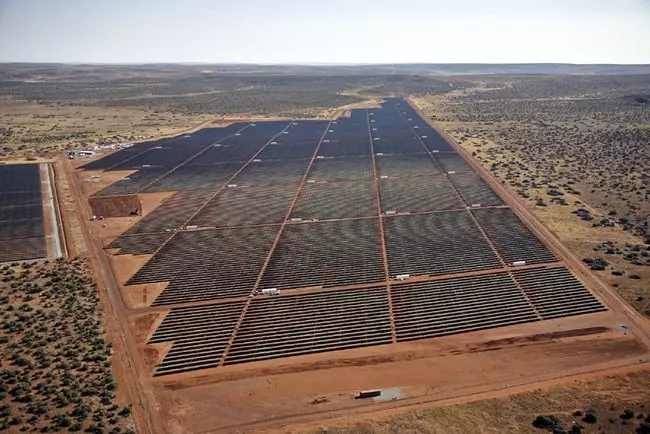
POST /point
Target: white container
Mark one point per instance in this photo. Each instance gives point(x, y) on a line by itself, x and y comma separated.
point(319, 157)
point(518, 263)
point(257, 160)
point(451, 172)
point(311, 181)
point(391, 212)
point(403, 276)
point(476, 205)
point(383, 177)
point(296, 219)
point(191, 227)
point(232, 185)
point(270, 291)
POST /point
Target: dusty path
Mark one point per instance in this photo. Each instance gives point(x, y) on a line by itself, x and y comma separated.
point(127, 365)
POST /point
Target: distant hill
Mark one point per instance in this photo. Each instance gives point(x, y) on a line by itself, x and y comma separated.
point(22, 71)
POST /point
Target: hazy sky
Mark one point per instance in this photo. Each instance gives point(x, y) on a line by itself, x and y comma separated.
point(325, 31)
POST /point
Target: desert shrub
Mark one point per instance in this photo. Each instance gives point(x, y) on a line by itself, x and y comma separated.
point(548, 422)
point(628, 413)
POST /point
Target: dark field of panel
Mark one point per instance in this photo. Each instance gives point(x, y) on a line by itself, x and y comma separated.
point(406, 165)
point(452, 163)
point(200, 335)
point(341, 169)
point(19, 178)
point(20, 212)
point(474, 190)
point(555, 293)
point(398, 146)
point(273, 172)
point(133, 183)
point(288, 151)
point(346, 146)
point(119, 157)
point(227, 152)
point(325, 253)
point(123, 157)
point(22, 249)
point(432, 140)
point(335, 200)
point(32, 228)
point(206, 265)
point(512, 239)
point(413, 194)
point(167, 156)
point(29, 197)
point(438, 243)
point(311, 323)
point(449, 306)
point(171, 214)
point(145, 244)
point(247, 205)
point(195, 178)
point(22, 233)
point(332, 239)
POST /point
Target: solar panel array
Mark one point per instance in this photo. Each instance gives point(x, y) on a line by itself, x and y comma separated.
point(22, 232)
point(332, 214)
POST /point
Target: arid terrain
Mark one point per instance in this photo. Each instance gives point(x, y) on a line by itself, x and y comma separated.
point(572, 151)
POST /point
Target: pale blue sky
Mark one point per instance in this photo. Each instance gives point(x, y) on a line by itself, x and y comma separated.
point(326, 31)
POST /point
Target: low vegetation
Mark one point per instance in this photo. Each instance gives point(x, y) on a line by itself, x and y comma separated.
point(56, 363)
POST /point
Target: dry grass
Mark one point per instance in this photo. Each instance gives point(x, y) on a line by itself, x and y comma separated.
point(32, 127)
point(608, 396)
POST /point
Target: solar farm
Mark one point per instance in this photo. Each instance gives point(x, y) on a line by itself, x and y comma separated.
point(287, 238)
point(22, 228)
